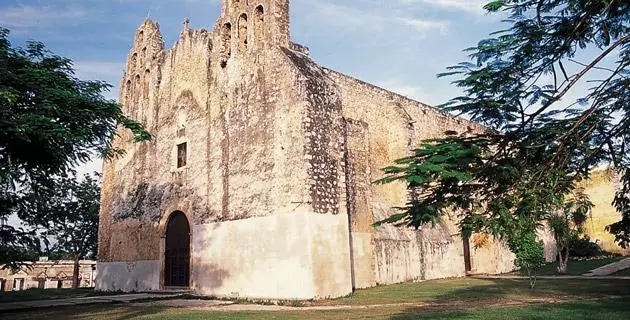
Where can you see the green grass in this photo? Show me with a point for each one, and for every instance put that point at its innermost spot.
(48, 294)
(576, 310)
(466, 298)
(575, 268)
(622, 273)
(483, 290)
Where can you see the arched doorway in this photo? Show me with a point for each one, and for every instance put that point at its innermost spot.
(177, 253)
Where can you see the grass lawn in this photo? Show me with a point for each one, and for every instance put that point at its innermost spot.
(463, 290)
(466, 298)
(575, 268)
(47, 294)
(622, 273)
(600, 309)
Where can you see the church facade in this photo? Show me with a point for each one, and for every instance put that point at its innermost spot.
(258, 180)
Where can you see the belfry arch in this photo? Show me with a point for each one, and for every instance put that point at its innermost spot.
(177, 251)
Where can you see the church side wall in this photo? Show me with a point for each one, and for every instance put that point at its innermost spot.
(394, 126)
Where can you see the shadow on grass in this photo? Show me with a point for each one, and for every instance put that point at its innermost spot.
(489, 290)
(615, 309)
(102, 311)
(473, 291)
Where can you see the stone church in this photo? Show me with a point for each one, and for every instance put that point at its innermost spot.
(258, 182)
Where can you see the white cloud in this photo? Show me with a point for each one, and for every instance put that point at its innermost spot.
(470, 6)
(110, 72)
(361, 18)
(23, 16)
(409, 90)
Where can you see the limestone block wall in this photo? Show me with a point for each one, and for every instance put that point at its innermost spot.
(489, 255)
(601, 190)
(262, 127)
(46, 274)
(284, 256)
(392, 125)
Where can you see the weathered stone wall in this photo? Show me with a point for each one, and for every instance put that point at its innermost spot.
(390, 127)
(601, 189)
(46, 274)
(261, 124)
(277, 185)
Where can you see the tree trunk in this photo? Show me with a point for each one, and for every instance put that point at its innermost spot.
(563, 259)
(75, 272)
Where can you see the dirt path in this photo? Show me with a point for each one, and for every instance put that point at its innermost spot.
(206, 305)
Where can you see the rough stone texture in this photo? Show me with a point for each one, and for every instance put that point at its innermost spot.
(128, 276)
(46, 274)
(601, 190)
(281, 153)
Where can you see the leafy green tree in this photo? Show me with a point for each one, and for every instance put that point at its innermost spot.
(530, 256)
(567, 224)
(66, 216)
(50, 121)
(537, 143)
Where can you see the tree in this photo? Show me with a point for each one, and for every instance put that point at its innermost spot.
(67, 217)
(537, 143)
(50, 121)
(567, 224)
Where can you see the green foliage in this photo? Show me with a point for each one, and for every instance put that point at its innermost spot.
(567, 224)
(583, 247)
(50, 121)
(621, 229)
(537, 144)
(66, 214)
(530, 254)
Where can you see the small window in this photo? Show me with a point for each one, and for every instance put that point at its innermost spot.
(226, 45)
(181, 155)
(59, 284)
(136, 87)
(242, 32)
(259, 20)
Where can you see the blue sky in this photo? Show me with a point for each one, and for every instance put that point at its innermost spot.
(397, 44)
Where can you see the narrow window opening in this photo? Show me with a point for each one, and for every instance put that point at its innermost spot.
(141, 36)
(59, 284)
(147, 81)
(226, 48)
(259, 19)
(134, 61)
(143, 57)
(136, 88)
(242, 33)
(128, 91)
(181, 155)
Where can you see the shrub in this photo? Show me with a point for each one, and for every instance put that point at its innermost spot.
(530, 255)
(583, 247)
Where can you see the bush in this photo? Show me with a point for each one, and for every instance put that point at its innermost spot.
(530, 255)
(583, 247)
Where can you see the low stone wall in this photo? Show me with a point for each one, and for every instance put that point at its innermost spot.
(128, 276)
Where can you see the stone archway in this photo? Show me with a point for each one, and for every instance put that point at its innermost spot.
(177, 251)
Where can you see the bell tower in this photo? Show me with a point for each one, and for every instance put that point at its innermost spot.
(256, 23)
